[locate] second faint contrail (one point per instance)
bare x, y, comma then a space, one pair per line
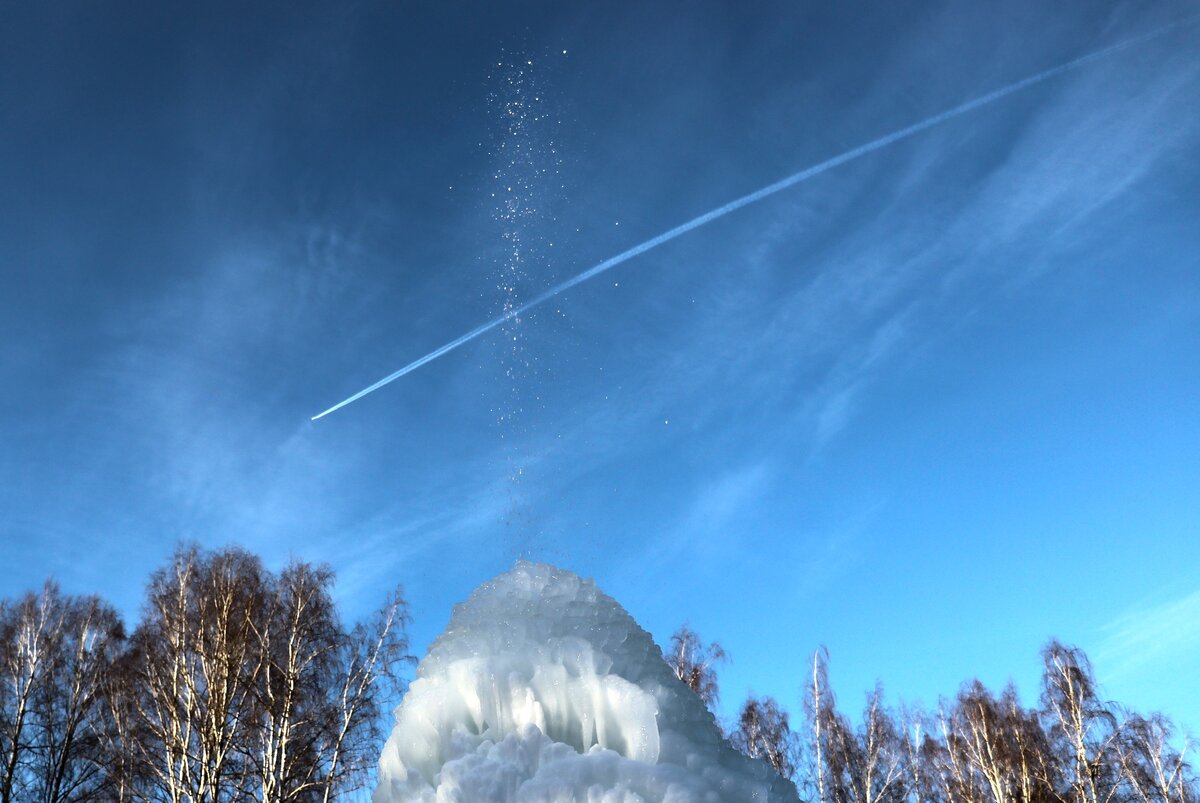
746, 200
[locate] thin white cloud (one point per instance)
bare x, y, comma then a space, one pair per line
833, 551
719, 501
710, 524
803, 333
1147, 636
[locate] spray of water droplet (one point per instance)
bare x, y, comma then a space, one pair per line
525, 186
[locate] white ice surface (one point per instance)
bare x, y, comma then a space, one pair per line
544, 690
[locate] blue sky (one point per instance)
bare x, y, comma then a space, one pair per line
930, 408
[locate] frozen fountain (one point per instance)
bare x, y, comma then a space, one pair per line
544, 689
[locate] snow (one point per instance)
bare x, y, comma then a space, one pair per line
543, 689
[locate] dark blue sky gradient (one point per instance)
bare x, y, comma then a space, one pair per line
929, 409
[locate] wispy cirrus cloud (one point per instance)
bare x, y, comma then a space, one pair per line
1149, 635
803, 302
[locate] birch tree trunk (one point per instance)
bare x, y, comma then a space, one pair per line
29, 632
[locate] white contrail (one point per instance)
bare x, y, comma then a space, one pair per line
771, 189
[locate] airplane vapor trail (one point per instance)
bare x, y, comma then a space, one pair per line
758, 195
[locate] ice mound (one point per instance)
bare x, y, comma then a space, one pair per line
544, 690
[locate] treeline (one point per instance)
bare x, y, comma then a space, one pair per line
241, 684
236, 684
977, 747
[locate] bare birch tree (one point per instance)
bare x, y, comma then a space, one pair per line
236, 685
999, 747
369, 660
298, 636
55, 655
321, 688
28, 631
950, 761
196, 674
1083, 730
867, 765
695, 663
69, 762
919, 748
1156, 771
763, 732
124, 739
245, 685
818, 699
